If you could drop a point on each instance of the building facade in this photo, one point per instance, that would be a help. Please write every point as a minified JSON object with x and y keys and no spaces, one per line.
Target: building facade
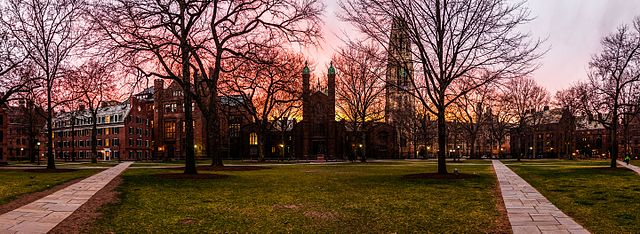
{"x":123,"y":132}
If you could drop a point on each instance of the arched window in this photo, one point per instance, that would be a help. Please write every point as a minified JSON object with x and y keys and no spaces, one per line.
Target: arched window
{"x":253,"y":138}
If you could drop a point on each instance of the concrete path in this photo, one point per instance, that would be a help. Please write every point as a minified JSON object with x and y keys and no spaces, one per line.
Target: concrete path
{"x":528,"y":210}
{"x":44,"y":214}
{"x":630,"y":166}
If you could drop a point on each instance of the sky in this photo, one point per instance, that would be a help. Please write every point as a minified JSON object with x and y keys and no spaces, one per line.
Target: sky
{"x":573,"y":30}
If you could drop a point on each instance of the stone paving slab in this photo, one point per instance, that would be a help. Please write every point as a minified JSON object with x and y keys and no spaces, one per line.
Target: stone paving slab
{"x":630,"y":166}
{"x":528,"y":210}
{"x":44,"y":214}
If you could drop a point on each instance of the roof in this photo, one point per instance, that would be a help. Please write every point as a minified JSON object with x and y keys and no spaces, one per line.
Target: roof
{"x":552,"y":116}
{"x":584,"y":123}
{"x":234,"y":100}
{"x":121,"y":109}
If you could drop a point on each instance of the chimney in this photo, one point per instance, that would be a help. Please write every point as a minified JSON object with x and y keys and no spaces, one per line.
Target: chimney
{"x":82,"y":107}
{"x":546,"y":108}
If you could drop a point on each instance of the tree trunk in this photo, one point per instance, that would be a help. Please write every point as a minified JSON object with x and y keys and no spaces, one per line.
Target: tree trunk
{"x":190,"y":157}
{"x":614,"y":138}
{"x":213,"y":149}
{"x":51,"y":163}
{"x":442,"y":142}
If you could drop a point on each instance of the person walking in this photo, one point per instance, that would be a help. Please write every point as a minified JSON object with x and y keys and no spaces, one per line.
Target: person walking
{"x":627,"y":159}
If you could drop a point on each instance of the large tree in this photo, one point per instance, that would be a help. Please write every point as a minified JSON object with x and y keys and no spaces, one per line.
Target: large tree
{"x":360,"y":87}
{"x":470,"y":111}
{"x":526,"y":98}
{"x":613,"y":75}
{"x":456,"y":46}
{"x":92,"y":84}
{"x":47,"y":32}
{"x":196,"y":42}
{"x":267,"y":89}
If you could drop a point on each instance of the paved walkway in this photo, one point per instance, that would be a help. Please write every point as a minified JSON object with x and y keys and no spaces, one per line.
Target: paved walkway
{"x":630,"y":166}
{"x":528,"y":210}
{"x":44,"y":214}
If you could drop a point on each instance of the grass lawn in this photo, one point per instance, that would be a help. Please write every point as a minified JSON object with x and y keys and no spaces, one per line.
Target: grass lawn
{"x":343,"y":198}
{"x":18,"y":182}
{"x":603,"y":200}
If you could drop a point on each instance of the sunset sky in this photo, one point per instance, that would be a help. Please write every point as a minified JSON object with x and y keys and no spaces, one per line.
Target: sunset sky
{"x":573,"y":29}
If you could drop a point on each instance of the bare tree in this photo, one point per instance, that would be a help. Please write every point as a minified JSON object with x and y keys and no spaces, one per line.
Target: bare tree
{"x":526,"y":98}
{"x":11,"y":57}
{"x":267,"y":89}
{"x":500,"y":118}
{"x":613,"y":75}
{"x":469,"y":111}
{"x":48,"y":32}
{"x":202,"y":39}
{"x":360,"y":87}
{"x":92,"y":84}
{"x":456,"y":46}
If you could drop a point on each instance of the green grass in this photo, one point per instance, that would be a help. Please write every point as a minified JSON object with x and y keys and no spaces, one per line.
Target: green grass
{"x":345,"y":198}
{"x":18,"y":182}
{"x":602,"y":200}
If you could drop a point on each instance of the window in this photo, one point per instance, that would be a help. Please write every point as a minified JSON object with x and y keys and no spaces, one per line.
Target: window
{"x":106,"y":131}
{"x":234,"y":129}
{"x":171,"y":107}
{"x":106,"y":142}
{"x":131,"y":130}
{"x":170,"y":129}
{"x":130,"y":141}
{"x":99,"y":142}
{"x":253,"y":138}
{"x":177,"y":93}
{"x":139,"y":142}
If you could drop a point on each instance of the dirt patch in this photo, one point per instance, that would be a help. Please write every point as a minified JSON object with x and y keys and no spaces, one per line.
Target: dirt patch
{"x":49,"y":170}
{"x":225,"y":168}
{"x":287,"y":207}
{"x":181,"y":176}
{"x":187,"y":221}
{"x":82,"y":220}
{"x":502,"y":222}
{"x":31,"y":197}
{"x":449,"y":176}
{"x":320,"y":215}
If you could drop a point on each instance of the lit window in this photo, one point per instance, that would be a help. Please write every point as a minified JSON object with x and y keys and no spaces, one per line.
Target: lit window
{"x":170,"y":129}
{"x":253,"y":138}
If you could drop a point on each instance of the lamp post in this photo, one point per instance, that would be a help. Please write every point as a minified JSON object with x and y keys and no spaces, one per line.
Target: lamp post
{"x":38,"y":154}
{"x":531,"y":149}
{"x":21,"y":154}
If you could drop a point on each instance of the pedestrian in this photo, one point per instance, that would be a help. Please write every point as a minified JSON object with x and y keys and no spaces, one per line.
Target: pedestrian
{"x":627,"y":159}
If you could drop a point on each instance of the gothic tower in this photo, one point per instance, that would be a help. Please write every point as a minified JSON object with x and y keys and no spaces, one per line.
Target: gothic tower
{"x":400,"y":104}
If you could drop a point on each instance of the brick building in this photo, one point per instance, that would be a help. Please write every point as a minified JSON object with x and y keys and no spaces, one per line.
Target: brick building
{"x":548,"y":133}
{"x":21,"y":127}
{"x":3,"y":139}
{"x":166,"y":109}
{"x":123,"y":132}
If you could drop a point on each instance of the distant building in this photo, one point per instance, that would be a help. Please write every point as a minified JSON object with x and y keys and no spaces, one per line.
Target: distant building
{"x":3,"y":139}
{"x":545,"y":134}
{"x":21,"y":126}
{"x":399,"y":102}
{"x":123,"y":132}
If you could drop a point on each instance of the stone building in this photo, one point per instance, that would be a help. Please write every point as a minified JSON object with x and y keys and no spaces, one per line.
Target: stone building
{"x":319,"y":133}
{"x":399,"y":102}
{"x":546,"y":134}
{"x":166,"y":109}
{"x":123,"y":132}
